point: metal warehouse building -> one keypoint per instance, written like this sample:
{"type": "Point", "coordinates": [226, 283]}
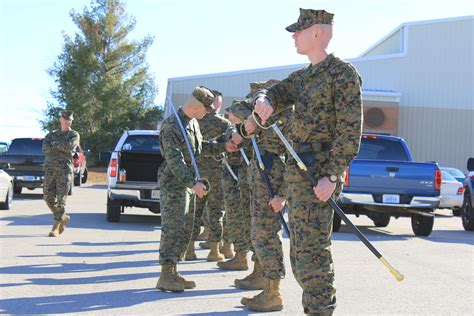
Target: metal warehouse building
{"type": "Point", "coordinates": [418, 83]}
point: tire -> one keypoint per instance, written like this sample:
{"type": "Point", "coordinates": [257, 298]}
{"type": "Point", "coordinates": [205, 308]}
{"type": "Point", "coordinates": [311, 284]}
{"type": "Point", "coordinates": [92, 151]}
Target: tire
{"type": "Point", "coordinates": [336, 223]}
{"type": "Point", "coordinates": [113, 210]}
{"type": "Point", "coordinates": [422, 225]}
{"type": "Point", "coordinates": [155, 209]}
{"type": "Point", "coordinates": [457, 211]}
{"type": "Point", "coordinates": [17, 189]}
{"type": "Point", "coordinates": [78, 180]}
{"type": "Point", "coordinates": [381, 220]}
{"type": "Point", "coordinates": [7, 203]}
{"type": "Point", "coordinates": [84, 176]}
{"type": "Point", "coordinates": [467, 212]}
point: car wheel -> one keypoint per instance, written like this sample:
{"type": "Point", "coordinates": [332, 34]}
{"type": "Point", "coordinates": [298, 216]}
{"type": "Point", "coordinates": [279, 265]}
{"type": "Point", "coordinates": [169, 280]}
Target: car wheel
{"type": "Point", "coordinates": [84, 176]}
{"type": "Point", "coordinates": [17, 189]}
{"type": "Point", "coordinates": [113, 210]}
{"type": "Point", "coordinates": [381, 220]}
{"type": "Point", "coordinates": [467, 212]}
{"type": "Point", "coordinates": [7, 204]}
{"type": "Point", "coordinates": [457, 211]}
{"type": "Point", "coordinates": [155, 209]}
{"type": "Point", "coordinates": [422, 225]}
{"type": "Point", "coordinates": [77, 180]}
{"type": "Point", "coordinates": [336, 223]}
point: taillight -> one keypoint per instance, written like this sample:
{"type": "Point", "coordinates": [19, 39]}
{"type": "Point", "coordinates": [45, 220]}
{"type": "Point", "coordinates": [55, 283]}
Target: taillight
{"type": "Point", "coordinates": [460, 190]}
{"type": "Point", "coordinates": [346, 180]}
{"type": "Point", "coordinates": [472, 178]}
{"type": "Point", "coordinates": [438, 179]}
{"type": "Point", "coordinates": [113, 167]}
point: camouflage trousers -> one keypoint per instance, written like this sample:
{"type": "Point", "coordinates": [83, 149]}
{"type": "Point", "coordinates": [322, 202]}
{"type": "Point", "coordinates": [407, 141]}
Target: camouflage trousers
{"type": "Point", "coordinates": [176, 222]}
{"type": "Point", "coordinates": [55, 189]}
{"type": "Point", "coordinates": [211, 205]}
{"type": "Point", "coordinates": [310, 248]}
{"type": "Point", "coordinates": [265, 223]}
{"type": "Point", "coordinates": [236, 202]}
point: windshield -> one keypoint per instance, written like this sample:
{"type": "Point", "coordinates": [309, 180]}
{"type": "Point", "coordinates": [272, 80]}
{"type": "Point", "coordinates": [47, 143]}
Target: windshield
{"type": "Point", "coordinates": [381, 149]}
{"type": "Point", "coordinates": [142, 143]}
{"type": "Point", "coordinates": [446, 176]}
{"type": "Point", "coordinates": [26, 146]}
{"type": "Point", "coordinates": [454, 172]}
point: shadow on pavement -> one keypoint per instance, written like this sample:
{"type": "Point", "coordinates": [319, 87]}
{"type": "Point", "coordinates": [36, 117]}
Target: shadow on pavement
{"type": "Point", "coordinates": [383, 234]}
{"type": "Point", "coordinates": [103, 278]}
{"type": "Point", "coordinates": [129, 222]}
{"type": "Point", "coordinates": [75, 303]}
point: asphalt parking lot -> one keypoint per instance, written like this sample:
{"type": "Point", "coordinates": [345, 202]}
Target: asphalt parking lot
{"type": "Point", "coordinates": [97, 267]}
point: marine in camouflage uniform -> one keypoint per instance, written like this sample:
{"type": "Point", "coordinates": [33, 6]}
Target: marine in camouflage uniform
{"type": "Point", "coordinates": [176, 177]}
{"type": "Point", "coordinates": [212, 125]}
{"type": "Point", "coordinates": [59, 147]}
{"type": "Point", "coordinates": [325, 129]}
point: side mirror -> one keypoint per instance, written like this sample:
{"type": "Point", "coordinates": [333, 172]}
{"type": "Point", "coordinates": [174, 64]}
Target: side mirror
{"type": "Point", "coordinates": [104, 156]}
{"type": "Point", "coordinates": [470, 164]}
{"type": "Point", "coordinates": [4, 166]}
{"type": "Point", "coordinates": [87, 152]}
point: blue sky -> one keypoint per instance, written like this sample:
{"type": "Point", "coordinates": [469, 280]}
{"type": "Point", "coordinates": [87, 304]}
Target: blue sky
{"type": "Point", "coordinates": [191, 38]}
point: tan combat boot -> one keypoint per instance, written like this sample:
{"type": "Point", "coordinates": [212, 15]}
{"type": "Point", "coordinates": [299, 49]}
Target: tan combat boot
{"type": "Point", "coordinates": [215, 254]}
{"type": "Point", "coordinates": [186, 283]}
{"type": "Point", "coordinates": [254, 281]}
{"type": "Point", "coordinates": [190, 253]}
{"type": "Point", "coordinates": [269, 300]}
{"type": "Point", "coordinates": [238, 263]}
{"type": "Point", "coordinates": [63, 222]}
{"type": "Point", "coordinates": [228, 250]}
{"type": "Point", "coordinates": [55, 230]}
{"type": "Point", "coordinates": [204, 235]}
{"type": "Point", "coordinates": [167, 280]}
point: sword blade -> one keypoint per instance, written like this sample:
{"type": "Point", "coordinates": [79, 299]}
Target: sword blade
{"type": "Point", "coordinates": [257, 153]}
{"type": "Point", "coordinates": [242, 152]}
{"type": "Point", "coordinates": [299, 162]}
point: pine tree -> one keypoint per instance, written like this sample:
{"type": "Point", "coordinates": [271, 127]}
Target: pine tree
{"type": "Point", "coordinates": [103, 77]}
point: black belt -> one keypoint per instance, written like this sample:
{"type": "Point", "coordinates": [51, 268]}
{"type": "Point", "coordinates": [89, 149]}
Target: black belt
{"type": "Point", "coordinates": [311, 147]}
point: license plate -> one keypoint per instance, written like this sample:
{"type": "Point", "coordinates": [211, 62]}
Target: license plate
{"type": "Point", "coordinates": [155, 194]}
{"type": "Point", "coordinates": [391, 198]}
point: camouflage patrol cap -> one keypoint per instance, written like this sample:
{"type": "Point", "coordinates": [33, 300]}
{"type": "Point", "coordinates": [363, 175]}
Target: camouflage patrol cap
{"type": "Point", "coordinates": [67, 115]}
{"type": "Point", "coordinates": [205, 96]}
{"type": "Point", "coordinates": [240, 109]}
{"type": "Point", "coordinates": [310, 17]}
{"type": "Point", "coordinates": [259, 85]}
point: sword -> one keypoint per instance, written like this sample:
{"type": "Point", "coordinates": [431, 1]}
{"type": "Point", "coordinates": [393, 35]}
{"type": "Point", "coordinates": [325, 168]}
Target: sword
{"type": "Point", "coordinates": [188, 145]}
{"type": "Point", "coordinates": [303, 170]}
{"type": "Point", "coordinates": [267, 182]}
{"type": "Point", "coordinates": [242, 152]}
{"type": "Point", "coordinates": [229, 168]}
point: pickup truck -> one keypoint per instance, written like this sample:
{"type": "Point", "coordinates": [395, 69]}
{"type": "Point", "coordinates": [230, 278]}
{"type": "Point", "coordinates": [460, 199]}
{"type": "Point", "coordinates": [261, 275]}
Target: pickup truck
{"type": "Point", "coordinates": [24, 162]}
{"type": "Point", "coordinates": [467, 209]}
{"type": "Point", "coordinates": [384, 181]}
{"type": "Point", "coordinates": [132, 174]}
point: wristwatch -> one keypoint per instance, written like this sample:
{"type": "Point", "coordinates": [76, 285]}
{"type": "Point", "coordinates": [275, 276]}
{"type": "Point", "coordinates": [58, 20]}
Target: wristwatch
{"type": "Point", "coordinates": [332, 178]}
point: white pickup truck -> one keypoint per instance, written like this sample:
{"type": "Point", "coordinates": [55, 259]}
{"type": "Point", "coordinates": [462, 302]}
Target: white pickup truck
{"type": "Point", "coordinates": [132, 173]}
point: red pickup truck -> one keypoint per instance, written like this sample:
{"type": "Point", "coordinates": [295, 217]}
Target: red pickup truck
{"type": "Point", "coordinates": [80, 167]}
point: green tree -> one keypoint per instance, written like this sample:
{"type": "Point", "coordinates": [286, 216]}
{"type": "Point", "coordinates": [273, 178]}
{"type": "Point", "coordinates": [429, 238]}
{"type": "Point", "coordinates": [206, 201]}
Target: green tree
{"type": "Point", "coordinates": [103, 77]}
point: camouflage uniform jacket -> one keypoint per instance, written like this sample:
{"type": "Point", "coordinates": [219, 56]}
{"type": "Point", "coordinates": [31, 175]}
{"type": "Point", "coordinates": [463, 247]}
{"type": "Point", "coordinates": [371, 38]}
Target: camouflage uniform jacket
{"type": "Point", "coordinates": [59, 148]}
{"type": "Point", "coordinates": [212, 126]}
{"type": "Point", "coordinates": [177, 167]}
{"type": "Point", "coordinates": [327, 107]}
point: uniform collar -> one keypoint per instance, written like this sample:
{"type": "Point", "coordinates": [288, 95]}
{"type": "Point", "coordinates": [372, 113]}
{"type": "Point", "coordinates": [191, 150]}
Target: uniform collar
{"type": "Point", "coordinates": [321, 66]}
{"type": "Point", "coordinates": [184, 119]}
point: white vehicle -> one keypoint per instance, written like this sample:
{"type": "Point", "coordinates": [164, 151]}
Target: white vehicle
{"type": "Point", "coordinates": [132, 175]}
{"type": "Point", "coordinates": [452, 193]}
{"type": "Point", "coordinates": [6, 191]}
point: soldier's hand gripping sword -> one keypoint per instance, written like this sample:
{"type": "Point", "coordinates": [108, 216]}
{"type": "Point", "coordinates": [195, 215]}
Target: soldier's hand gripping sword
{"type": "Point", "coordinates": [188, 145]}
{"type": "Point", "coordinates": [303, 170]}
{"type": "Point", "coordinates": [268, 184]}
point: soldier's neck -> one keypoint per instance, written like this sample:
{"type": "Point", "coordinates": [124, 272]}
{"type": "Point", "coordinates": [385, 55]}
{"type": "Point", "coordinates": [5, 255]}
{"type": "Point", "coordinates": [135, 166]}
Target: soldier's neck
{"type": "Point", "coordinates": [65, 129]}
{"type": "Point", "coordinates": [317, 56]}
